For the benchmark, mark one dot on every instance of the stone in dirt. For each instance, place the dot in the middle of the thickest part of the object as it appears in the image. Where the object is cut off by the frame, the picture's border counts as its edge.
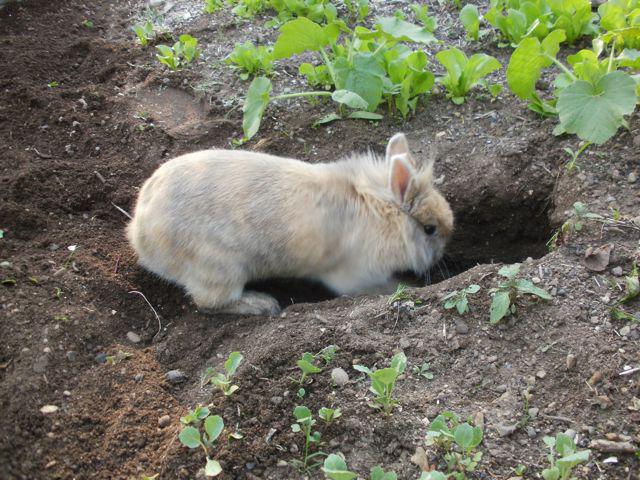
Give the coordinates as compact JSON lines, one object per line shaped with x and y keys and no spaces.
{"x":339,"y":377}
{"x":164,"y":421}
{"x":176,"y":376}
{"x":49,"y":409}
{"x":133,"y":337}
{"x":597,"y":259}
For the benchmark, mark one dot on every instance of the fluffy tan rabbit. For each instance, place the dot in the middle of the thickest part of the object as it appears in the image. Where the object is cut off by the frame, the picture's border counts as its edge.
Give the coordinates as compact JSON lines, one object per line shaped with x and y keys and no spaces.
{"x":214,"y":220}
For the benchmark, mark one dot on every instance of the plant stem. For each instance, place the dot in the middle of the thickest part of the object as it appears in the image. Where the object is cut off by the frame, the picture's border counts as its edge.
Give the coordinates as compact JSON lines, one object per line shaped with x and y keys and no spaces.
{"x":329,"y":65}
{"x":302,"y":94}
{"x":562,"y":67}
{"x":613,"y":49}
{"x":379,"y":48}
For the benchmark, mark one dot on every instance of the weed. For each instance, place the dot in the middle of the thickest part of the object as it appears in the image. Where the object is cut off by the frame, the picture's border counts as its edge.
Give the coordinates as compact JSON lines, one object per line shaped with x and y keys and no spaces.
{"x":327,"y":354}
{"x":53,"y":84}
{"x":301,"y":393}
{"x":399,"y":295}
{"x":88,"y":24}
{"x":458,"y":441}
{"x":251,"y":60}
{"x":563,"y":456}
{"x":506,"y":293}
{"x":572,"y":165}
{"x":201,"y":430}
{"x":421,"y":12}
{"x":335,"y":468}
{"x":145,"y":32}
{"x":9,"y":282}
{"x":118,"y":357}
{"x":329,"y":414}
{"x":223,"y":380}
{"x":458,"y":299}
{"x":520,"y":470}
{"x":464,"y":73}
{"x":212,"y":6}
{"x":304,"y":423}
{"x":359,"y":9}
{"x":383,"y":382}
{"x":470,"y":18}
{"x":307,"y":367}
{"x":58,"y":293}
{"x":423,"y":371}
{"x":631,"y":291}
{"x":184,"y":51}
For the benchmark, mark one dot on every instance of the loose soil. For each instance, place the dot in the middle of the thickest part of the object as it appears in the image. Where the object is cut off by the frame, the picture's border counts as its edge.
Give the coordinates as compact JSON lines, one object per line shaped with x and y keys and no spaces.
{"x":73,"y":159}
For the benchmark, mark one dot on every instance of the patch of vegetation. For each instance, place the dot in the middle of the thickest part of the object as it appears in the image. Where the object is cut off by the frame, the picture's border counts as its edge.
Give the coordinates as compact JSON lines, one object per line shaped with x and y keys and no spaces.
{"x":458,"y":299}
{"x":145,"y":32}
{"x":329,"y":414}
{"x":184,"y":51}
{"x":251,"y":60}
{"x":304,"y":424}
{"x":335,"y":468}
{"x":563,"y":456}
{"x":201,"y":430}
{"x":423,"y":370}
{"x":507,"y":292}
{"x":458,"y":442}
{"x":631,"y":291}
{"x":223,"y":380}
{"x":383,"y":382}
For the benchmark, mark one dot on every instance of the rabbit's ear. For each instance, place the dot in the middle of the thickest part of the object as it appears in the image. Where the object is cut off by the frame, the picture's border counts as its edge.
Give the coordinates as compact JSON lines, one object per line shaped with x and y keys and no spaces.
{"x":400,"y":177}
{"x":398,"y":145}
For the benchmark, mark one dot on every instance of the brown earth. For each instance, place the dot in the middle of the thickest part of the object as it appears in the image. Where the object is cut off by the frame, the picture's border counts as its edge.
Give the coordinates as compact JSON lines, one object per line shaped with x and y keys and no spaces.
{"x":74,"y":156}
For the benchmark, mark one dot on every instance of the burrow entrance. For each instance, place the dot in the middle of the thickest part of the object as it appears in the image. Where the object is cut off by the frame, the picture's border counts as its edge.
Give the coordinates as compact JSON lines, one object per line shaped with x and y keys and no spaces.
{"x":502,"y":227}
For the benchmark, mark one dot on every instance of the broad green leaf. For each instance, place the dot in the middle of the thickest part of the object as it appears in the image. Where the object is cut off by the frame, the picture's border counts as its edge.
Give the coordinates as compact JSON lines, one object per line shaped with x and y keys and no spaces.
{"x":258,"y":97}
{"x":363,"y":369}
{"x":233,"y":362}
{"x":350,"y":99}
{"x":449,"y":304}
{"x":190,"y":437}
{"x":509,"y":271}
{"x":565,"y":444}
{"x":473,"y":288}
{"x":295,"y":427}
{"x":499,"y":307}
{"x":551,"y":473}
{"x":363,"y":115}
{"x":629,"y":58}
{"x":307,"y":367}
{"x":212,"y":468}
{"x":434,"y":475}
{"x":366,"y":85}
{"x":595,"y":112}
{"x":462,"y":306}
{"x":331,"y":117}
{"x":454,"y":62}
{"x":525,"y":286}
{"x":467,"y":437}
{"x":403,"y":31}
{"x":298,"y":36}
{"x":386,"y":376}
{"x":213,"y":425}
{"x":570,"y":461}
{"x":399,"y":362}
{"x":302,"y":413}
{"x":549,"y":441}
{"x":335,"y":468}
{"x":470,"y":18}
{"x":377,"y":473}
{"x":479,"y":66}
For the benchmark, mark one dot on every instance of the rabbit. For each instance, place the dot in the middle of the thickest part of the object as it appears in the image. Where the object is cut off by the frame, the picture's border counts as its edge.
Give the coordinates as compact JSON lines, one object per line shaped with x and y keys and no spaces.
{"x":213,"y":220}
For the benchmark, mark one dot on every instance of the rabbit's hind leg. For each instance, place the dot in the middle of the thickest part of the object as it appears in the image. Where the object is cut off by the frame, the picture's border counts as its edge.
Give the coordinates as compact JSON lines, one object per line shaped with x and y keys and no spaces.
{"x":232,"y":299}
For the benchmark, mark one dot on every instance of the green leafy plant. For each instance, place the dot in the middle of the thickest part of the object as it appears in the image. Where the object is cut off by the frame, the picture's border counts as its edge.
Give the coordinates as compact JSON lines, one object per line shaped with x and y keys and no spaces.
{"x":579,"y":215}
{"x":201,"y":430}
{"x":517,"y":19}
{"x":304,"y":424}
{"x":327,"y":354}
{"x":251,"y":59}
{"x":183,"y":51}
{"x":383,"y":382}
{"x":399,"y":295}
{"x":505,"y":295}
{"x":223,"y":380}
{"x":421,"y":12}
{"x":563,"y":456}
{"x":591,"y":99}
{"x":458,"y":299}
{"x":364,"y":67}
{"x":307,"y":367}
{"x":458,"y":442}
{"x":631,"y":291}
{"x":621,"y":18}
{"x":464,"y":73}
{"x":470,"y":18}
{"x":145,"y":32}
{"x":329,"y":414}
{"x":212,"y":6}
{"x":572,"y":164}
{"x":423,"y":370}
{"x":335,"y":468}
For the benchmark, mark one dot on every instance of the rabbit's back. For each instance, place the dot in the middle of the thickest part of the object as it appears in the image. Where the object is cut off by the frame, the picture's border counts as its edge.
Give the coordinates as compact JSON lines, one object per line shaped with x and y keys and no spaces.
{"x":237,"y":214}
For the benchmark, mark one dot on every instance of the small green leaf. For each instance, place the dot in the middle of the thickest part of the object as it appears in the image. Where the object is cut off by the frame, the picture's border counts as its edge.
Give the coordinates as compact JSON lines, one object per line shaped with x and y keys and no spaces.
{"x":470,"y":18}
{"x":525,"y":286}
{"x":509,"y":271}
{"x":258,"y":97}
{"x":212,"y":468}
{"x":403,"y":31}
{"x":302,"y":413}
{"x":399,"y":362}
{"x":307,"y":367}
{"x":499,"y":307}
{"x":213,"y":426}
{"x":331,"y":117}
{"x":190,"y":437}
{"x":336,"y":469}
{"x":363,"y":115}
{"x":233,"y":362}
{"x":350,"y":99}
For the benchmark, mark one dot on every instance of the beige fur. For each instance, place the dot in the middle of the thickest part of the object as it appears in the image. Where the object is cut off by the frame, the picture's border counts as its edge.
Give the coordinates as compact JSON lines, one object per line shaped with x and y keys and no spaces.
{"x":214,"y":220}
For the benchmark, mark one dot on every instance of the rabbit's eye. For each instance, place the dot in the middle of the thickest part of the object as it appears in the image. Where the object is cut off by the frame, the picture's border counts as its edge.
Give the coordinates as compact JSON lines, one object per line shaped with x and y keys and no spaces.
{"x":429,"y":229}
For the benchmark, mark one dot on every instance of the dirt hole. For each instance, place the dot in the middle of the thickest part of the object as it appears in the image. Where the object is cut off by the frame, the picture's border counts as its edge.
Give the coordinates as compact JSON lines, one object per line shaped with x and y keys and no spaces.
{"x":506,"y":230}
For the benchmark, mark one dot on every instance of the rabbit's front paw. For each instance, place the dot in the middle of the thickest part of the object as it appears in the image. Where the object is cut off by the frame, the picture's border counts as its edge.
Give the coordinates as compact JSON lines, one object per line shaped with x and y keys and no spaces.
{"x":253,"y":303}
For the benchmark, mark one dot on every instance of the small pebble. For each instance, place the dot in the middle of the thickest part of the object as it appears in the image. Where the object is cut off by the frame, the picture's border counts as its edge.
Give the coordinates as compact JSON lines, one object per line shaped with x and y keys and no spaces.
{"x":101,"y":357}
{"x":164,"y":421}
{"x":71,"y":355}
{"x":624,"y":331}
{"x":49,"y":409}
{"x":133,"y":337}
{"x":531,"y":432}
{"x":506,"y":430}
{"x":5,"y":264}
{"x":176,"y":376}
{"x":571,"y":361}
{"x":533,"y":412}
{"x":339,"y":377}
{"x":541,"y":374}
{"x":461,"y":327}
{"x":276,"y":400}
{"x":632,"y":177}
{"x":138,"y":377}
{"x":616,"y":271}
{"x":595,"y":378}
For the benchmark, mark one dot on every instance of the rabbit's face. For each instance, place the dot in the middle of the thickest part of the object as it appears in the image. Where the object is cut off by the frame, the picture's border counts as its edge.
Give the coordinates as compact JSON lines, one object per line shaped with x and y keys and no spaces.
{"x":429,"y":218}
